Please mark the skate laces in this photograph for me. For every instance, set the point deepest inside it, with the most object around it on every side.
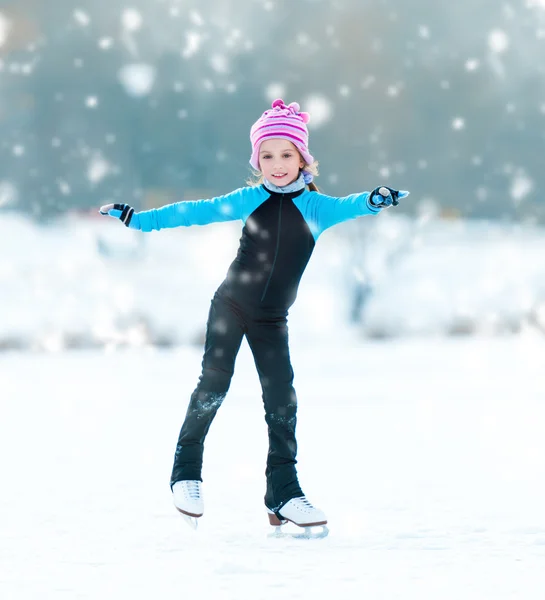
(304, 503)
(193, 489)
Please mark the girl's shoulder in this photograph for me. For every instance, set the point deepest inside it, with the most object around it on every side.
(312, 197)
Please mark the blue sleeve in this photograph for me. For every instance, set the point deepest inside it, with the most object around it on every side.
(324, 211)
(194, 212)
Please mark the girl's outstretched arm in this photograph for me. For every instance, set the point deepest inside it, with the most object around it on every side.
(180, 214)
(329, 210)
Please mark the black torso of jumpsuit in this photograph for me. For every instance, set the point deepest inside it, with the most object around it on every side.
(275, 247)
(253, 301)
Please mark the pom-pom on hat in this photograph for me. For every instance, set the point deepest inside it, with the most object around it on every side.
(281, 121)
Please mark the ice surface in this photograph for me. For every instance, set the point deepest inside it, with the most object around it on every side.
(427, 456)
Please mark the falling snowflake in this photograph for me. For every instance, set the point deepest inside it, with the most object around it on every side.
(5, 27)
(8, 193)
(498, 41)
(521, 186)
(81, 17)
(458, 123)
(137, 79)
(105, 43)
(275, 90)
(472, 64)
(219, 63)
(131, 19)
(64, 187)
(98, 168)
(320, 108)
(193, 42)
(424, 32)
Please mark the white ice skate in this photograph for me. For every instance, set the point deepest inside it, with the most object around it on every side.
(302, 513)
(187, 496)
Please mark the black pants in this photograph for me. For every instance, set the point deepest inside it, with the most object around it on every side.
(267, 337)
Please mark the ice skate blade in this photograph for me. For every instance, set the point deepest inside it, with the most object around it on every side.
(308, 533)
(191, 520)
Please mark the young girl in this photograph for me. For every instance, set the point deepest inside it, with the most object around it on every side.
(282, 221)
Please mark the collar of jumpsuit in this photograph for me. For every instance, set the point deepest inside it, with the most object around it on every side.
(294, 186)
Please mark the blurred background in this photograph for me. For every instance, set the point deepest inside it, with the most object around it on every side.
(151, 101)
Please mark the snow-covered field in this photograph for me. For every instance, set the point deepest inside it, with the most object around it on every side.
(427, 455)
(87, 281)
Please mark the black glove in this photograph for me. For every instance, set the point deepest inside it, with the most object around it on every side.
(383, 197)
(123, 212)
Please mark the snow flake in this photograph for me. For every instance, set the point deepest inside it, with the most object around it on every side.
(193, 42)
(275, 90)
(105, 43)
(98, 168)
(219, 63)
(458, 123)
(521, 186)
(64, 187)
(320, 108)
(384, 171)
(482, 193)
(498, 41)
(227, 209)
(5, 26)
(196, 18)
(424, 32)
(131, 19)
(18, 150)
(91, 101)
(8, 193)
(472, 64)
(81, 17)
(393, 90)
(137, 78)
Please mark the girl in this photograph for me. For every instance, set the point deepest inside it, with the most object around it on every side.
(282, 221)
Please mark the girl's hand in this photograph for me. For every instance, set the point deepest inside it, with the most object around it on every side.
(383, 197)
(123, 212)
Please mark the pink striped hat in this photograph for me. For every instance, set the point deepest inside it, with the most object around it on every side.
(285, 122)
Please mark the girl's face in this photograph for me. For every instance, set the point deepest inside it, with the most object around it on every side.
(280, 161)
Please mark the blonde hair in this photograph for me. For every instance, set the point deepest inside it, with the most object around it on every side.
(257, 176)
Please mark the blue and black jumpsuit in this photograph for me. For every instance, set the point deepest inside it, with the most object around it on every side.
(278, 238)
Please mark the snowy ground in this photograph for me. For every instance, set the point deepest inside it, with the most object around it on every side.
(428, 457)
